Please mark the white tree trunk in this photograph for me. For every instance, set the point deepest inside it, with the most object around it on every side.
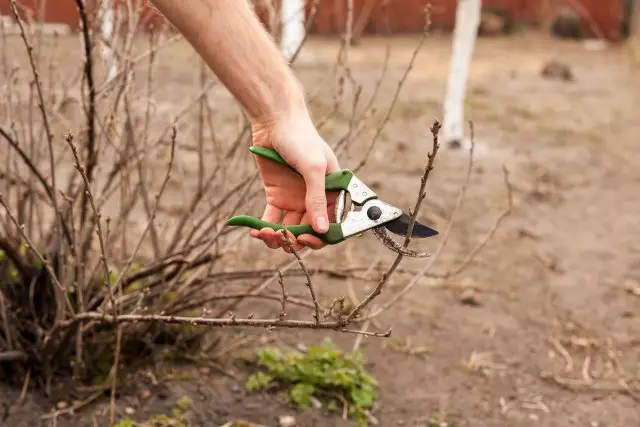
(292, 17)
(464, 39)
(107, 29)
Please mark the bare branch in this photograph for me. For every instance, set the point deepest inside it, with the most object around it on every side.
(435, 128)
(316, 314)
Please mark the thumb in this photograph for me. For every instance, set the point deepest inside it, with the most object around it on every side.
(316, 199)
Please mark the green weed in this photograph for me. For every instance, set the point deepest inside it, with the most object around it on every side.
(176, 419)
(323, 372)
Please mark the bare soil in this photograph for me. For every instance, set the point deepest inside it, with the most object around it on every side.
(553, 336)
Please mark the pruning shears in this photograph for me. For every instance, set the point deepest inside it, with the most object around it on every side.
(373, 214)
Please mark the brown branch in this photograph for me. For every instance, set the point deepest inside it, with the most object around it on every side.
(316, 314)
(92, 153)
(490, 233)
(97, 214)
(213, 322)
(45, 117)
(391, 107)
(283, 311)
(152, 217)
(12, 356)
(435, 128)
(445, 235)
(27, 161)
(272, 297)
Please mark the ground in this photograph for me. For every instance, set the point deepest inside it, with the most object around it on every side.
(552, 336)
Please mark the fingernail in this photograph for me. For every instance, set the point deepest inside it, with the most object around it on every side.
(322, 223)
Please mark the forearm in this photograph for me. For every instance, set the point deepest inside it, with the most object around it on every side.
(231, 40)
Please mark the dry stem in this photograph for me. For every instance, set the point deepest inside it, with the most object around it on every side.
(435, 128)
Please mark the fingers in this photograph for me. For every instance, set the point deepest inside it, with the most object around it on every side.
(271, 214)
(332, 161)
(311, 241)
(315, 199)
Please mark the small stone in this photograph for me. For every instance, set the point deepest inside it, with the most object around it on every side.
(129, 410)
(315, 403)
(286, 421)
(469, 297)
(557, 70)
(632, 287)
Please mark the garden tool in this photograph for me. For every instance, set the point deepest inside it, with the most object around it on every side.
(373, 214)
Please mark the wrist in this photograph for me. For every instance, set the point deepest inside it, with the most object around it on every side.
(284, 103)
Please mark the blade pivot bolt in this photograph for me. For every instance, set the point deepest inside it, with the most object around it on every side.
(374, 213)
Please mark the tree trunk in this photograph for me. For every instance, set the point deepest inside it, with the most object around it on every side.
(464, 39)
(292, 13)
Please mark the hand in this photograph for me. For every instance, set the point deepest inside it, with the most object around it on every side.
(300, 198)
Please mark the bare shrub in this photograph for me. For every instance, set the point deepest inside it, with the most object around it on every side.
(98, 264)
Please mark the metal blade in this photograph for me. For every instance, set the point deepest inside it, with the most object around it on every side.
(400, 226)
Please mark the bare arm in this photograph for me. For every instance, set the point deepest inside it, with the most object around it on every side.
(232, 41)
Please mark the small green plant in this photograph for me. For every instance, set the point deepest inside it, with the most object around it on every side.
(176, 419)
(323, 372)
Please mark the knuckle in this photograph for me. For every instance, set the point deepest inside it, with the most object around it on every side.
(317, 202)
(316, 165)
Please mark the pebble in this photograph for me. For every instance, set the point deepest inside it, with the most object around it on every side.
(469, 297)
(315, 403)
(129, 410)
(286, 421)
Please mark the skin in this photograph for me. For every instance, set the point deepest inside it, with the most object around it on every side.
(234, 44)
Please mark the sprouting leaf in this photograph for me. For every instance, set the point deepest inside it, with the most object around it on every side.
(184, 402)
(258, 381)
(301, 393)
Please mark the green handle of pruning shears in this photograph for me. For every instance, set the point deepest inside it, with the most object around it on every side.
(334, 235)
(335, 181)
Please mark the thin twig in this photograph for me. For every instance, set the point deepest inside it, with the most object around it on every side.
(283, 312)
(387, 115)
(45, 117)
(435, 128)
(153, 213)
(316, 314)
(97, 215)
(445, 235)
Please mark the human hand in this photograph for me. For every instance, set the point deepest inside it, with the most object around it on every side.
(293, 199)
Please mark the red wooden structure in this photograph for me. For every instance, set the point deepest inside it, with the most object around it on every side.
(396, 16)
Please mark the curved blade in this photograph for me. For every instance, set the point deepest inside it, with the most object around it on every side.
(400, 226)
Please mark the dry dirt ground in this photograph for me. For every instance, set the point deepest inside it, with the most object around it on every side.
(553, 338)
